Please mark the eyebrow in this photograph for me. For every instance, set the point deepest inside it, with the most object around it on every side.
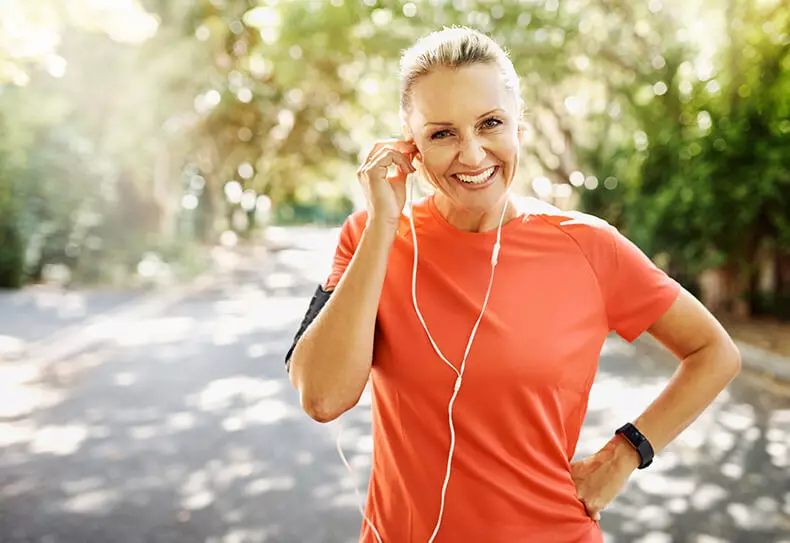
(480, 117)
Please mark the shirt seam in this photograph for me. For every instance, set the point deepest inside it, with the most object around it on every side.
(592, 268)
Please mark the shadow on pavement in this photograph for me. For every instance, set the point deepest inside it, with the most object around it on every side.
(183, 429)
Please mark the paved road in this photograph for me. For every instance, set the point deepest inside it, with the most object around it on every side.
(33, 314)
(182, 428)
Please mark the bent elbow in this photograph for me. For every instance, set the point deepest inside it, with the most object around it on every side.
(727, 360)
(735, 358)
(323, 411)
(322, 415)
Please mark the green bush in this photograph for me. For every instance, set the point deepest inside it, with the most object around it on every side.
(12, 253)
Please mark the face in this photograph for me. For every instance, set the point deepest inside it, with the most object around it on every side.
(465, 124)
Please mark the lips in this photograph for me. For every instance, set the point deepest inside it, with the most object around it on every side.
(476, 172)
(475, 181)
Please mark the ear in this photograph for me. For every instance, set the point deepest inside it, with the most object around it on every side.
(407, 135)
(523, 132)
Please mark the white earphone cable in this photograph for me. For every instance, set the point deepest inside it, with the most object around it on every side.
(459, 373)
(356, 489)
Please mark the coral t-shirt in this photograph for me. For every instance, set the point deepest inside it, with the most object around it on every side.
(564, 281)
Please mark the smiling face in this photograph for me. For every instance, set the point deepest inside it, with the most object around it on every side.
(465, 123)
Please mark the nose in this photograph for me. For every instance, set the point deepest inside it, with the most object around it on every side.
(471, 153)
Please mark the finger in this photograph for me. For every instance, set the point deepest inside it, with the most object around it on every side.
(387, 157)
(375, 149)
(404, 146)
(592, 511)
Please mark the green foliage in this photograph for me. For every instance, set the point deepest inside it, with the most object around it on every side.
(714, 182)
(283, 96)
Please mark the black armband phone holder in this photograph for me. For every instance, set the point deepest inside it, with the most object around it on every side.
(317, 303)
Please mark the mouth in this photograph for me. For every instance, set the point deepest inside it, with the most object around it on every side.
(477, 181)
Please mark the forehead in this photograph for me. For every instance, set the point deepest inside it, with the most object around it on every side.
(459, 95)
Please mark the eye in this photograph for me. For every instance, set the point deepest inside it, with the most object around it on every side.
(493, 122)
(489, 123)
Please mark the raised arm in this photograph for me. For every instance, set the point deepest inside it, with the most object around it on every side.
(330, 363)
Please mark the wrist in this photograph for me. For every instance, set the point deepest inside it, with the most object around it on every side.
(623, 453)
(381, 230)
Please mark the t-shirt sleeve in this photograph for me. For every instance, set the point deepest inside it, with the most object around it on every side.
(350, 234)
(636, 291)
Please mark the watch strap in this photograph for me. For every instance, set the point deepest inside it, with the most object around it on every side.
(639, 442)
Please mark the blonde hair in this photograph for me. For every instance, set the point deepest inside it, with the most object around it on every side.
(453, 48)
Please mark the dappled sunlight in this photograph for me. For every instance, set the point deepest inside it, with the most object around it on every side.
(615, 346)
(58, 440)
(198, 500)
(665, 485)
(717, 479)
(179, 422)
(21, 398)
(92, 501)
(122, 415)
(11, 347)
(614, 396)
(221, 393)
(269, 484)
(125, 379)
(315, 265)
(20, 487)
(280, 280)
(304, 238)
(66, 304)
(282, 313)
(11, 433)
(264, 412)
(257, 350)
(706, 496)
(228, 329)
(738, 418)
(238, 535)
(151, 331)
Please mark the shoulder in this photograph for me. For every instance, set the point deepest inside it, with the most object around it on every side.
(594, 238)
(357, 219)
(572, 223)
(353, 227)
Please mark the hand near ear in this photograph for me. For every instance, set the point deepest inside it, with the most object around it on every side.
(386, 194)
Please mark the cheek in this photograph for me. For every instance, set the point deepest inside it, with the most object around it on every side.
(437, 160)
(508, 149)
(507, 144)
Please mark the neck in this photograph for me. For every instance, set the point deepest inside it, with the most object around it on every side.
(475, 220)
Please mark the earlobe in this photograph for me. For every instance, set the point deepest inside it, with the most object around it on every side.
(523, 128)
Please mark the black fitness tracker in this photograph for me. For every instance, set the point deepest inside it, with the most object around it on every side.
(639, 442)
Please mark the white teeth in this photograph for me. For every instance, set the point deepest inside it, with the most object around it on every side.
(476, 179)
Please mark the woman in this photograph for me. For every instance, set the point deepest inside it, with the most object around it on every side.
(474, 433)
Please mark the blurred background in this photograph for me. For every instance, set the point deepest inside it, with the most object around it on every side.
(172, 175)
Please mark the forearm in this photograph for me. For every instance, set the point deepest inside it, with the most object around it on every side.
(699, 379)
(331, 361)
